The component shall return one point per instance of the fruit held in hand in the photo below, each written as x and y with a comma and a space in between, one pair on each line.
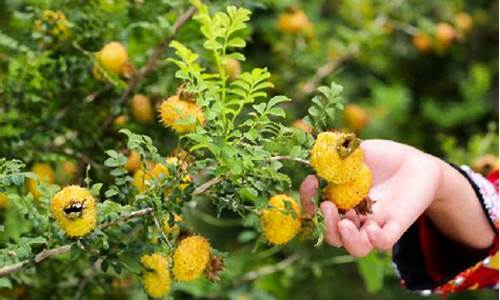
281, 220
349, 195
156, 278
75, 211
181, 115
113, 56
191, 258
336, 156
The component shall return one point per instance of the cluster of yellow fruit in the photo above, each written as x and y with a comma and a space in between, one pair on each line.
281, 220
295, 21
54, 25
189, 261
444, 34
114, 58
338, 159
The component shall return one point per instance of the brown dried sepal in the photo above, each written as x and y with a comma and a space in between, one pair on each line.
347, 144
215, 266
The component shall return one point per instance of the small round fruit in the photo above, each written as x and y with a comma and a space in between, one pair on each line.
485, 164
281, 220
156, 277
133, 161
181, 115
232, 67
336, 156
348, 195
422, 42
463, 21
74, 209
294, 22
445, 34
113, 56
355, 117
301, 124
142, 109
45, 175
191, 258
120, 121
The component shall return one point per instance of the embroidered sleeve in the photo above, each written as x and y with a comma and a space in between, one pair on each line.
423, 259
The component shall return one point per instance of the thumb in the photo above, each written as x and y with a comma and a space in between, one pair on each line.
308, 190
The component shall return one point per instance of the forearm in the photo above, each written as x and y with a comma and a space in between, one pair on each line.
457, 212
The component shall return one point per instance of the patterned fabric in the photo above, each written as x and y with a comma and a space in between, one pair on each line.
423, 258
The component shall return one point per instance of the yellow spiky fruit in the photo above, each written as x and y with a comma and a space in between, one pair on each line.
191, 258
232, 67
53, 25
133, 161
281, 220
174, 229
355, 117
336, 156
295, 22
348, 195
113, 56
156, 277
45, 175
4, 200
74, 209
176, 114
142, 109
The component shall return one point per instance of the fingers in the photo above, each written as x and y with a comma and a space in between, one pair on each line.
383, 238
308, 190
331, 214
355, 241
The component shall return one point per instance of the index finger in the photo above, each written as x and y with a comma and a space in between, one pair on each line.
308, 190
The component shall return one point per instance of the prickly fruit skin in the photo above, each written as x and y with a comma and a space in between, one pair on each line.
281, 220
191, 258
45, 174
355, 117
294, 22
422, 42
4, 200
332, 158
156, 278
74, 209
113, 56
142, 109
445, 34
174, 113
348, 195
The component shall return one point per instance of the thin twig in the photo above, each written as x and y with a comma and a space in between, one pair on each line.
162, 232
124, 218
204, 187
296, 159
138, 77
270, 269
321, 73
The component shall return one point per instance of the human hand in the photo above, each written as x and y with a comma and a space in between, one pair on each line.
405, 182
